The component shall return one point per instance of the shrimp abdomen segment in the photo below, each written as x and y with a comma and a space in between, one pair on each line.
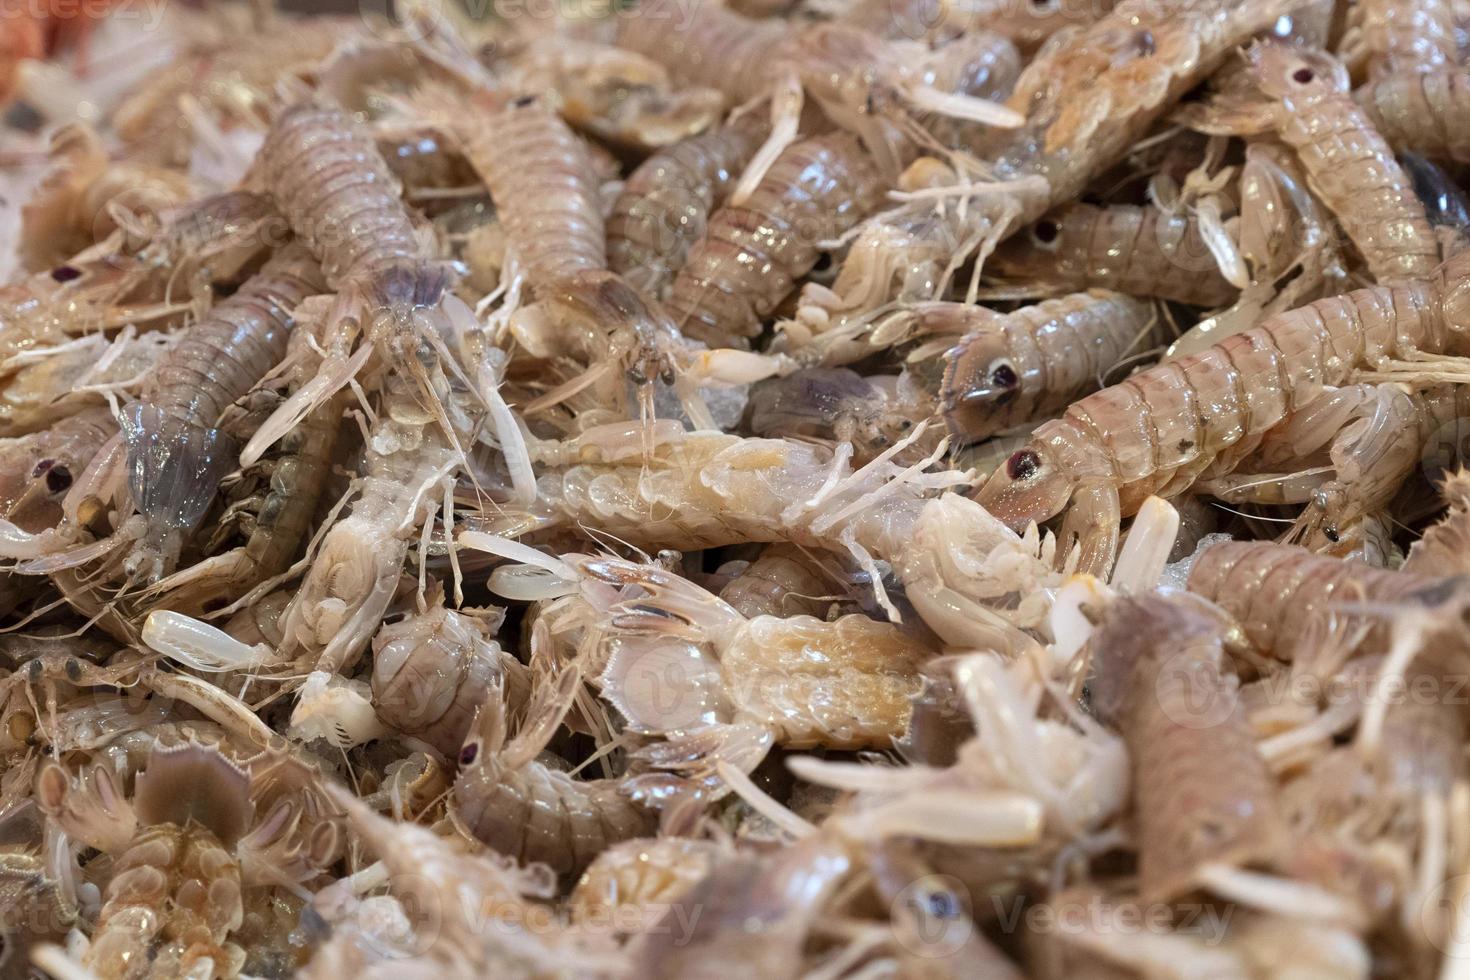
666, 203
337, 192
752, 255
543, 185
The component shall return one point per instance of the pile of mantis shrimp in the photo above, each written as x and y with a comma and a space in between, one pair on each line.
794, 488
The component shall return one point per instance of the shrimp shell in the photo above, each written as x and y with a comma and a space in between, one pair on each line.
431, 673
708, 45
176, 456
337, 192
845, 684
1283, 595
666, 202
1350, 166
1202, 793
1030, 364
542, 181
523, 808
640, 877
752, 256
220, 358
782, 581
1159, 430
168, 866
1423, 111
1408, 35
1138, 250
838, 405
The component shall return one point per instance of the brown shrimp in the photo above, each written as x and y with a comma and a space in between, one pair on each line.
1030, 364
37, 470
978, 63
1282, 595
1347, 162
337, 193
546, 192
543, 185
1029, 23
355, 573
847, 69
1424, 111
220, 233
176, 455
778, 897
1373, 437
1408, 36
1135, 249
1087, 104
666, 202
709, 46
296, 472
433, 670
1160, 430
527, 810
752, 256
1202, 793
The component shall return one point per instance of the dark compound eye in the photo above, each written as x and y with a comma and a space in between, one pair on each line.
1003, 376
468, 754
524, 101
66, 273
58, 478
1023, 465
1303, 75
42, 467
1045, 232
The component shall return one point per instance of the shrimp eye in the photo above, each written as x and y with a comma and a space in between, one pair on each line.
1003, 376
1303, 76
1045, 233
58, 478
1045, 5
524, 101
468, 754
1023, 465
66, 273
